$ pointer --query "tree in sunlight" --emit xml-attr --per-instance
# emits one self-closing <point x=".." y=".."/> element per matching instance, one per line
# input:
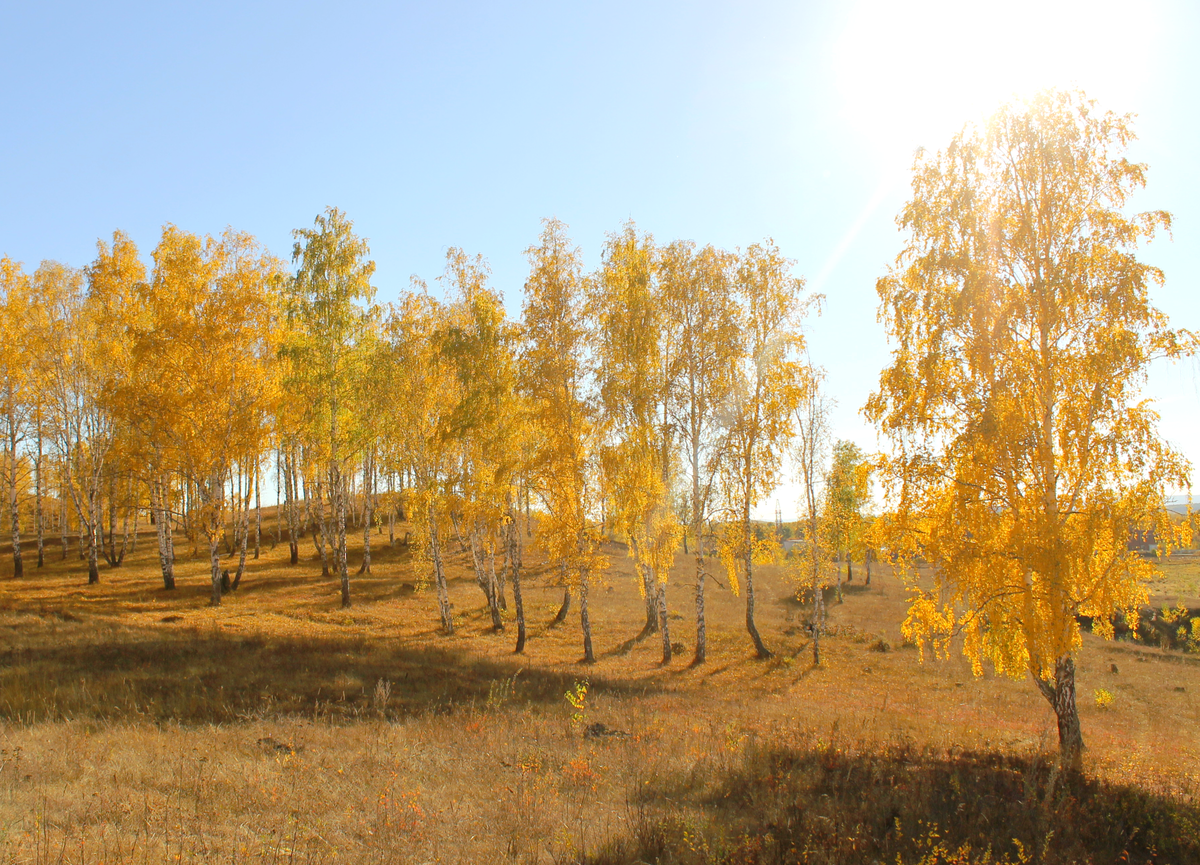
<point x="770" y="381"/>
<point x="556" y="370"/>
<point x="1023" y="456"/>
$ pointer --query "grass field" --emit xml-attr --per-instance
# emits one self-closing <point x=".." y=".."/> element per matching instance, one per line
<point x="144" y="726"/>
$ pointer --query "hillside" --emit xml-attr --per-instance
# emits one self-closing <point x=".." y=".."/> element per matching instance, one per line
<point x="144" y="726"/>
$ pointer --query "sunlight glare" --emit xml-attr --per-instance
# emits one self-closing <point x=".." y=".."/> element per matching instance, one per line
<point x="911" y="74"/>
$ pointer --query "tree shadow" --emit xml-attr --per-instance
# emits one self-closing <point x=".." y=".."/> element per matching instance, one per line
<point x="847" y="805"/>
<point x="210" y="676"/>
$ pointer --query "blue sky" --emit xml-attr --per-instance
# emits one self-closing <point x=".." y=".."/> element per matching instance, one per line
<point x="464" y="124"/>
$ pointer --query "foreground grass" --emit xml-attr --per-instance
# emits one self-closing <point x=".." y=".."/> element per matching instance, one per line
<point x="141" y="726"/>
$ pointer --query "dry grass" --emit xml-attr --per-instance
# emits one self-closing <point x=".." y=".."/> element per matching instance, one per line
<point x="138" y="725"/>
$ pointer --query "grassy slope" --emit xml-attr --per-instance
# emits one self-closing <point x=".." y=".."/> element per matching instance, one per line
<point x="141" y="725"/>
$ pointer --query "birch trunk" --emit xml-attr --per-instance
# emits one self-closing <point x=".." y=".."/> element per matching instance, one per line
<point x="162" y="525"/>
<point x="697" y="532"/>
<point x="93" y="542"/>
<point x="759" y="647"/>
<point x="339" y="503"/>
<point x="585" y="622"/>
<point x="368" y="511"/>
<point x="662" y="623"/>
<point x="561" y="615"/>
<point x="1060" y="693"/>
<point x="18" y="562"/>
<point x="289" y="492"/>
<point x="486" y="585"/>
<point x="62" y="521"/>
<point x="214" y="560"/>
<point x="257" y="511"/>
<point x="319" y="536"/>
<point x="497" y="579"/>
<point x="39" y="519"/>
<point x="514" y="569"/>
<point x="439" y="576"/>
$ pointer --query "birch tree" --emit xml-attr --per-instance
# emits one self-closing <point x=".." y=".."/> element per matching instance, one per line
<point x="1023" y="455"/>
<point x="328" y="311"/>
<point x="699" y="300"/>
<point x="770" y="380"/>
<point x="634" y="354"/>
<point x="555" y="365"/>
<point x="17" y="396"/>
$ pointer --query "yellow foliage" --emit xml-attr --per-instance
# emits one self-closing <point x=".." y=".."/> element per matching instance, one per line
<point x="1023" y="457"/>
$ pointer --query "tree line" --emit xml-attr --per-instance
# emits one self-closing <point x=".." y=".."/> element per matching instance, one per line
<point x="650" y="400"/>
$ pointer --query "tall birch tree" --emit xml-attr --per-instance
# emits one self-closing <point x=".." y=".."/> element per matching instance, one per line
<point x="556" y="369"/>
<point x="1023" y="455"/>
<point x="328" y="310"/>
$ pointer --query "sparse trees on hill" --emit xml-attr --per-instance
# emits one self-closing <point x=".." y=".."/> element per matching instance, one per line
<point x="667" y="368"/>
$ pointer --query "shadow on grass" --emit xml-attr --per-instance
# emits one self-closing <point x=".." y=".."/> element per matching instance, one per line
<point x="203" y="676"/>
<point x="898" y="804"/>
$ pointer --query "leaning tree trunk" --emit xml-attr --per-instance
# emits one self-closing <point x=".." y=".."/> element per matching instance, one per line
<point x="849" y="568"/>
<point x="1061" y="695"/>
<point x="293" y="518"/>
<point x="561" y="615"/>
<point x="585" y="622"/>
<point x="63" y="528"/>
<point x="498" y="584"/>
<point x="481" y="579"/>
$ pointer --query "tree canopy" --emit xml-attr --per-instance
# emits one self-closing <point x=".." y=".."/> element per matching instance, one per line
<point x="1023" y="455"/>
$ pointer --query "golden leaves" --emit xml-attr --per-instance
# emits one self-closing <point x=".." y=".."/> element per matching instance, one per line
<point x="1024" y="459"/>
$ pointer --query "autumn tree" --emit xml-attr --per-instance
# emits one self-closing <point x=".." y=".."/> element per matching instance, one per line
<point x="811" y="448"/>
<point x="17" y="386"/>
<point x="423" y="392"/>
<point x="555" y="366"/>
<point x="847" y="491"/>
<point x="634" y="354"/>
<point x="85" y="353"/>
<point x="698" y="297"/>
<point x="329" y="317"/>
<point x="203" y="349"/>
<point x="770" y="379"/>
<point x="1023" y="455"/>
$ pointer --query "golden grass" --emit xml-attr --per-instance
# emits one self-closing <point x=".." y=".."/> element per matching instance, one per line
<point x="143" y="726"/>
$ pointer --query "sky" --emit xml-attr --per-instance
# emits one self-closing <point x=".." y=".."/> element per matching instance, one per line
<point x="466" y="124"/>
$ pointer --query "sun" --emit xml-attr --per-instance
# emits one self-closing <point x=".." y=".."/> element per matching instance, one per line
<point x="910" y="74"/>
